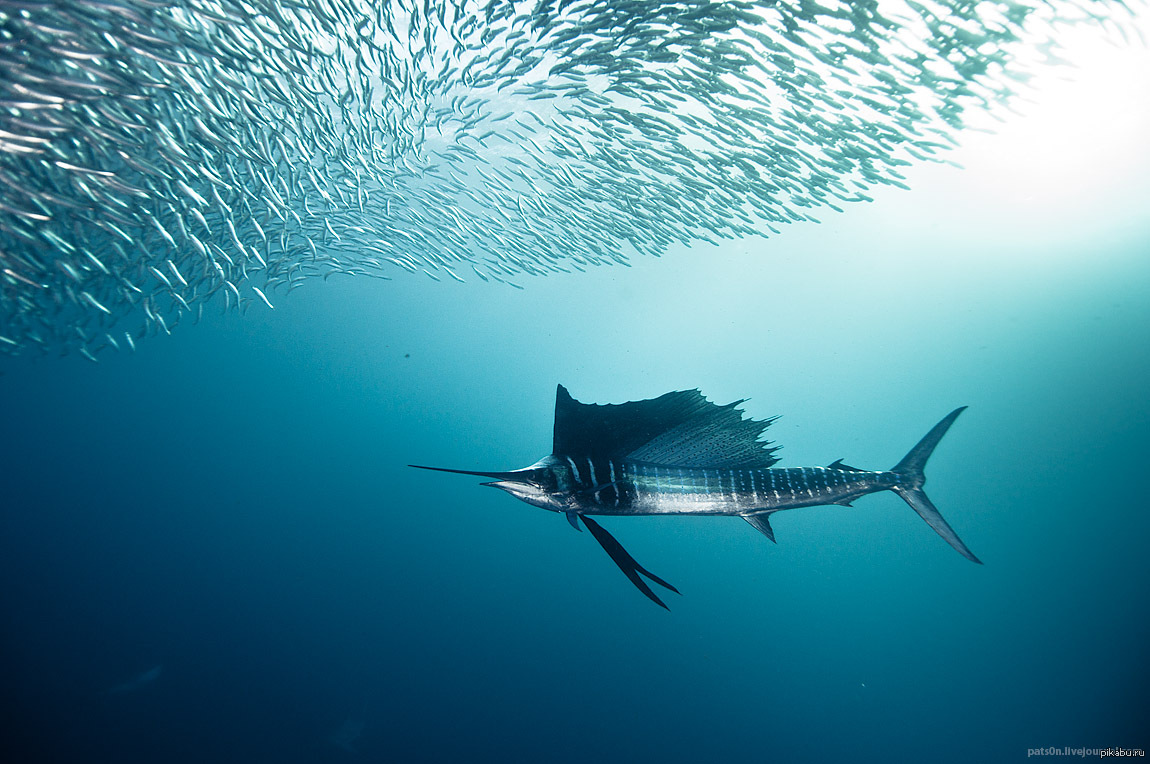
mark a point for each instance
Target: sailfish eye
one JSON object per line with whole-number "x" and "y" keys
{"x": 543, "y": 478}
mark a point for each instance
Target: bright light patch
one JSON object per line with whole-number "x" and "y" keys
{"x": 1078, "y": 134}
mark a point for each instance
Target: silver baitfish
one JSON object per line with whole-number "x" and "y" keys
{"x": 156, "y": 157}
{"x": 680, "y": 454}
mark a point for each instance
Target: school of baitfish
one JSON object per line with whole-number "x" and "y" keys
{"x": 156, "y": 157}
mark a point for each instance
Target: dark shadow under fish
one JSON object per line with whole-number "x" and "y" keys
{"x": 680, "y": 454}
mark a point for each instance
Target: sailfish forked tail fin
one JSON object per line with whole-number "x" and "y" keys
{"x": 910, "y": 472}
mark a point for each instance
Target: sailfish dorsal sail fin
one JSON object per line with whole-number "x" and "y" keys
{"x": 681, "y": 428}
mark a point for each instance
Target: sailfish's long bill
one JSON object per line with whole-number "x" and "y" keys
{"x": 680, "y": 454}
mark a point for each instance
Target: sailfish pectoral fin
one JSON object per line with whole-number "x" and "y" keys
{"x": 626, "y": 562}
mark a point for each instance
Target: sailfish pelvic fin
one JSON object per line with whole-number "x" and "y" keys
{"x": 626, "y": 562}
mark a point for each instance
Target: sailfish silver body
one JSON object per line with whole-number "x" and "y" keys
{"x": 680, "y": 454}
{"x": 638, "y": 488}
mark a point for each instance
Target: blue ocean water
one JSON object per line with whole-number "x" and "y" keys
{"x": 231, "y": 505}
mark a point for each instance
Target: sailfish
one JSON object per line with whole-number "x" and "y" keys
{"x": 680, "y": 454}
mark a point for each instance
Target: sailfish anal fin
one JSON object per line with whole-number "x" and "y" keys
{"x": 761, "y": 524}
{"x": 626, "y": 562}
